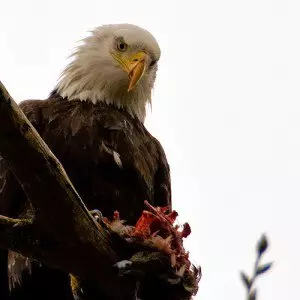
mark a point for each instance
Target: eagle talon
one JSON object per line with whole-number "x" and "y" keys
{"x": 97, "y": 215}
{"x": 123, "y": 266}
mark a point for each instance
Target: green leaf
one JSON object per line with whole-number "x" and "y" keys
{"x": 264, "y": 268}
{"x": 262, "y": 245}
{"x": 246, "y": 280}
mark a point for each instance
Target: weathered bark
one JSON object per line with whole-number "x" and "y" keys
{"x": 63, "y": 233}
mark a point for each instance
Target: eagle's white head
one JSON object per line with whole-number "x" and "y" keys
{"x": 116, "y": 64}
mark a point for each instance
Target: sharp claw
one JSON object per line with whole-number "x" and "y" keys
{"x": 97, "y": 215}
{"x": 125, "y": 268}
{"x": 123, "y": 265}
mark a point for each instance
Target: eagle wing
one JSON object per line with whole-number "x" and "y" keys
{"x": 162, "y": 181}
{"x": 108, "y": 130}
{"x": 41, "y": 113}
{"x": 118, "y": 144}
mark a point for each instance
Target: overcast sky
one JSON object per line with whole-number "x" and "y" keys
{"x": 225, "y": 108}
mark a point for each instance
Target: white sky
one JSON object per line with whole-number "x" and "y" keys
{"x": 226, "y": 109}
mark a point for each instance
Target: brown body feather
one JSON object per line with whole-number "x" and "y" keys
{"x": 113, "y": 161}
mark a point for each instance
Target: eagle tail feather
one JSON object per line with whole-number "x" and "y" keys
{"x": 17, "y": 263}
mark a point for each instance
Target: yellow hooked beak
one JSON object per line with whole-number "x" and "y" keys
{"x": 134, "y": 64}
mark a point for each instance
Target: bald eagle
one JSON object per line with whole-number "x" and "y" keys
{"x": 93, "y": 122}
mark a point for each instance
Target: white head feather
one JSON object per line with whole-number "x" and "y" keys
{"x": 94, "y": 75}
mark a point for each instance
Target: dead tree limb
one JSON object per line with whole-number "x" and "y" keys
{"x": 62, "y": 225}
{"x": 63, "y": 233}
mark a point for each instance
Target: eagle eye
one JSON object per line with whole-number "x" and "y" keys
{"x": 122, "y": 46}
